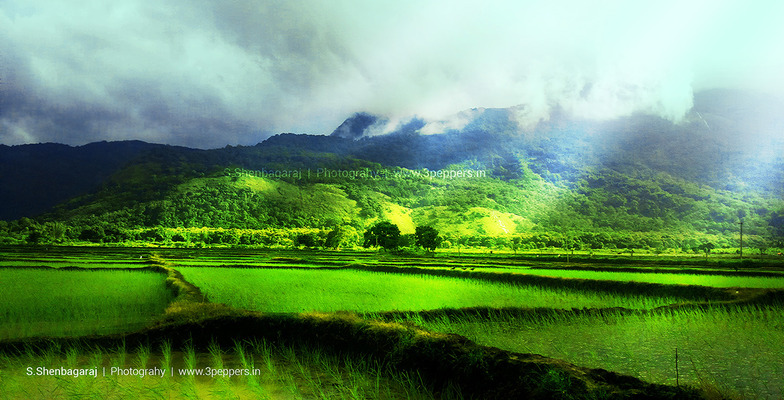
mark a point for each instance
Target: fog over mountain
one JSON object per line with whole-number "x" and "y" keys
{"x": 205, "y": 74}
{"x": 730, "y": 141}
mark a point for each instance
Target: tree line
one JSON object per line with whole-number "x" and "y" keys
{"x": 381, "y": 235}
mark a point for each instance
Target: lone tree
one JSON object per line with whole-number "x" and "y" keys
{"x": 427, "y": 237}
{"x": 707, "y": 247}
{"x": 383, "y": 234}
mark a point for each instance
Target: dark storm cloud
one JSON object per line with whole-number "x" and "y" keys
{"x": 207, "y": 74}
{"x": 120, "y": 71}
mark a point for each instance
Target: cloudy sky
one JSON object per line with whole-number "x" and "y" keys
{"x": 208, "y": 73}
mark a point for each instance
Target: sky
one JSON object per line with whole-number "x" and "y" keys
{"x": 206, "y": 74}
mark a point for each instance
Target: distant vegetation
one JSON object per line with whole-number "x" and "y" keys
{"x": 636, "y": 185}
{"x": 605, "y": 210}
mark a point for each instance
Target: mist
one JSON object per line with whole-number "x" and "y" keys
{"x": 210, "y": 74}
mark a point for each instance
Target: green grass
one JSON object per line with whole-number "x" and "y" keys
{"x": 282, "y": 290}
{"x": 736, "y": 350}
{"x": 69, "y": 264}
{"x": 58, "y": 257}
{"x": 720, "y": 281}
{"x": 51, "y": 302}
{"x": 259, "y": 369}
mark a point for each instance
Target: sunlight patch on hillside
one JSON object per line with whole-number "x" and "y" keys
{"x": 400, "y": 216}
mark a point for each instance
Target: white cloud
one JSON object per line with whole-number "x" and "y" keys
{"x": 206, "y": 73}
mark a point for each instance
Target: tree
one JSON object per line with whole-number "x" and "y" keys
{"x": 336, "y": 238}
{"x": 157, "y": 234}
{"x": 707, "y": 247}
{"x": 407, "y": 240}
{"x": 228, "y": 236}
{"x": 308, "y": 240}
{"x": 383, "y": 234}
{"x": 53, "y": 231}
{"x": 35, "y": 236}
{"x": 93, "y": 234}
{"x": 515, "y": 242}
{"x": 427, "y": 237}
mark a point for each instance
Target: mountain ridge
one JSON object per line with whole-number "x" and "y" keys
{"x": 639, "y": 172}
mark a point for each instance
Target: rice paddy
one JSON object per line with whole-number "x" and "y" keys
{"x": 53, "y": 302}
{"x": 254, "y": 369}
{"x": 286, "y": 290}
{"x": 58, "y": 257}
{"x": 712, "y": 280}
{"x": 733, "y": 350}
{"x": 736, "y": 350}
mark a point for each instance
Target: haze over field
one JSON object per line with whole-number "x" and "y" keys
{"x": 206, "y": 74}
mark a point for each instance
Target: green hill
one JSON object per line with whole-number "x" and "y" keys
{"x": 636, "y": 182}
{"x": 177, "y": 205}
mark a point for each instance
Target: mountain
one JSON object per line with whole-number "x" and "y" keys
{"x": 479, "y": 174}
{"x": 35, "y": 178}
{"x": 357, "y": 126}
